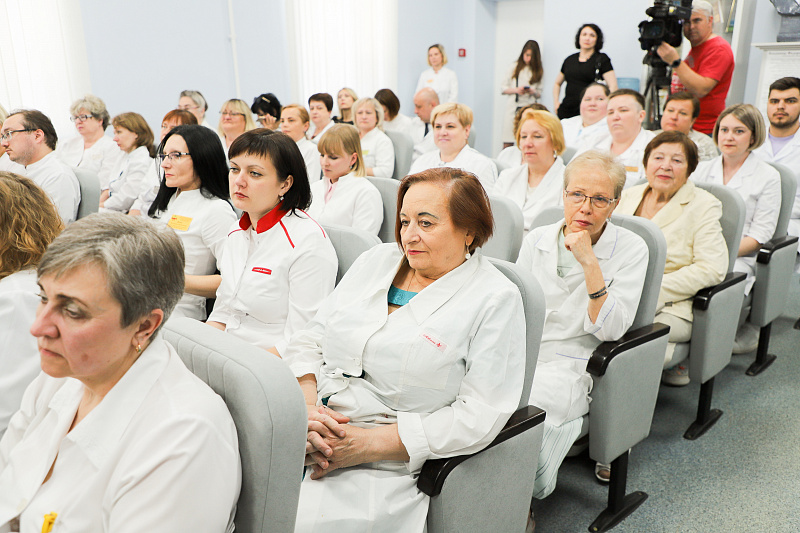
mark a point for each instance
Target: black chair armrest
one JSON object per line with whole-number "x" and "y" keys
{"x": 435, "y": 471}
{"x": 773, "y": 245}
{"x": 703, "y": 297}
{"x": 606, "y": 351}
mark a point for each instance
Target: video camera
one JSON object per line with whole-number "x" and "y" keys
{"x": 666, "y": 25}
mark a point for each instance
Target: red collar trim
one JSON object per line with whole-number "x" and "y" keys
{"x": 267, "y": 221}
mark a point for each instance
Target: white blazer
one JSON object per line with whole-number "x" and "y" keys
{"x": 19, "y": 362}
{"x": 510, "y": 157}
{"x": 355, "y": 203}
{"x": 59, "y": 182}
{"x": 569, "y": 336}
{"x": 311, "y": 158}
{"x": 378, "y": 152}
{"x": 631, "y": 158}
{"x": 274, "y": 277}
{"x": 468, "y": 159}
{"x": 159, "y": 453}
{"x": 317, "y": 136}
{"x": 444, "y": 82}
{"x": 423, "y": 142}
{"x": 789, "y": 156}
{"x": 203, "y": 225}
{"x": 447, "y": 368}
{"x": 129, "y": 180}
{"x": 101, "y": 158}
{"x": 513, "y": 184}
{"x": 575, "y": 132}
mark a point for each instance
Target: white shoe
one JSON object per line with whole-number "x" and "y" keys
{"x": 746, "y": 339}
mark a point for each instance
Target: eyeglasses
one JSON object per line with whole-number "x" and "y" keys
{"x": 6, "y": 135}
{"x": 230, "y": 114}
{"x": 187, "y": 107}
{"x": 577, "y": 198}
{"x": 172, "y": 156}
{"x": 80, "y": 118}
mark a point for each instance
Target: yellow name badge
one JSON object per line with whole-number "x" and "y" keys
{"x": 179, "y": 223}
{"x": 631, "y": 169}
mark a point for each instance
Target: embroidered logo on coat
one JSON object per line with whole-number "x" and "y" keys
{"x": 262, "y": 270}
{"x": 434, "y": 341}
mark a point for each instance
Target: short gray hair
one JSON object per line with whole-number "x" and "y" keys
{"x": 602, "y": 161}
{"x": 93, "y": 105}
{"x": 198, "y": 99}
{"x": 703, "y": 7}
{"x": 143, "y": 263}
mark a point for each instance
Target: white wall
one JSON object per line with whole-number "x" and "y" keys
{"x": 765, "y": 30}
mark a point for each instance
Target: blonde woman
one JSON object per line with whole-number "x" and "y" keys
{"x": 438, "y": 77}
{"x": 343, "y": 196}
{"x": 235, "y": 118}
{"x": 295, "y": 122}
{"x": 345, "y": 100}
{"x": 376, "y": 147}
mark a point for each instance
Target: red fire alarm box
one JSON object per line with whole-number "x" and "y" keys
{"x": 462, "y": 52}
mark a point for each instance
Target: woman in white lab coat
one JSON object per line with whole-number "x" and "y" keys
{"x": 192, "y": 199}
{"x": 28, "y": 224}
{"x": 129, "y": 179}
{"x": 592, "y": 273}
{"x": 294, "y": 123}
{"x": 343, "y": 196}
{"x": 393, "y": 120}
{"x": 235, "y": 118}
{"x": 539, "y": 182}
{"x": 418, "y": 354}
{"x": 116, "y": 425}
{"x": 278, "y": 263}
{"x": 376, "y": 147}
{"x": 438, "y": 77}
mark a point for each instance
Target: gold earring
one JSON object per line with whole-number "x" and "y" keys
{"x": 138, "y": 349}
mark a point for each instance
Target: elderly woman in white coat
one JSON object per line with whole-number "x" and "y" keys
{"x": 116, "y": 425}
{"x": 418, "y": 354}
{"x": 592, "y": 273}
{"x": 438, "y": 77}
{"x": 343, "y": 196}
{"x": 539, "y": 182}
{"x": 28, "y": 224}
{"x": 278, "y": 264}
{"x": 376, "y": 147}
{"x": 130, "y": 177}
{"x": 294, "y": 123}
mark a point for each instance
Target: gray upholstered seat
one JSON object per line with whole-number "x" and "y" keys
{"x": 500, "y": 166}
{"x": 271, "y": 419}
{"x": 506, "y": 240}
{"x": 349, "y": 243}
{"x": 403, "y": 153}
{"x": 90, "y": 191}
{"x": 388, "y": 189}
{"x": 569, "y": 153}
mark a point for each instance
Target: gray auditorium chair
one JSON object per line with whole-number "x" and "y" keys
{"x": 269, "y": 411}
{"x": 500, "y": 166}
{"x": 774, "y": 269}
{"x": 626, "y": 376}
{"x": 90, "y": 191}
{"x": 388, "y": 189}
{"x": 403, "y": 153}
{"x": 506, "y": 239}
{"x": 569, "y": 153}
{"x": 349, "y": 243}
{"x": 471, "y": 138}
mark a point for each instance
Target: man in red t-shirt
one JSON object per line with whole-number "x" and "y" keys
{"x": 708, "y": 68}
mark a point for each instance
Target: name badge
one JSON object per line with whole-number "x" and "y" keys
{"x": 434, "y": 342}
{"x": 631, "y": 169}
{"x": 262, "y": 270}
{"x": 179, "y": 223}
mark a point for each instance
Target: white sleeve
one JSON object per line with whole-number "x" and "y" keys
{"x": 22, "y": 419}
{"x": 384, "y": 157}
{"x": 216, "y": 227}
{"x": 420, "y": 82}
{"x": 368, "y": 209}
{"x": 111, "y": 157}
{"x": 453, "y": 89}
{"x": 134, "y": 182}
{"x": 222, "y": 311}
{"x": 765, "y": 216}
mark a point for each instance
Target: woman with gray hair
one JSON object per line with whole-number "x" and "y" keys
{"x": 116, "y": 425}
{"x": 592, "y": 273}
{"x": 91, "y": 149}
{"x": 195, "y": 103}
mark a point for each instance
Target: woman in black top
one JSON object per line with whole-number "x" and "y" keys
{"x": 581, "y": 69}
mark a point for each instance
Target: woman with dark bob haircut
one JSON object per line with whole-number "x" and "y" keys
{"x": 193, "y": 200}
{"x": 418, "y": 354}
{"x": 278, "y": 263}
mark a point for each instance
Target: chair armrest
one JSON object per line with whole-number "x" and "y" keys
{"x": 435, "y": 471}
{"x": 606, "y": 351}
{"x": 703, "y": 297}
{"x": 772, "y": 246}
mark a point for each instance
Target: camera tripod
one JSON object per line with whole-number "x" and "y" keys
{"x": 658, "y": 78}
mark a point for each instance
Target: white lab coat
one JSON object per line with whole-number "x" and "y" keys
{"x": 19, "y": 362}
{"x": 510, "y": 157}
{"x": 447, "y": 368}
{"x": 378, "y": 152}
{"x": 159, "y": 453}
{"x": 444, "y": 82}
{"x": 311, "y": 158}
{"x": 7, "y": 165}
{"x": 631, "y": 158}
{"x": 129, "y": 180}
{"x": 101, "y": 158}
{"x": 575, "y": 132}
{"x": 759, "y": 185}
{"x": 150, "y": 185}
{"x": 355, "y": 203}
{"x": 59, "y": 182}
{"x": 468, "y": 159}
{"x": 513, "y": 184}
{"x": 789, "y": 156}
{"x": 274, "y": 277}
{"x": 209, "y": 222}
{"x": 313, "y": 136}
{"x": 561, "y": 384}
{"x": 400, "y": 123}
{"x": 423, "y": 142}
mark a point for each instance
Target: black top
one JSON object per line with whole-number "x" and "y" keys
{"x": 338, "y": 120}
{"x": 578, "y": 75}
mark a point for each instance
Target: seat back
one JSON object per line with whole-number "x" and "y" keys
{"x": 90, "y": 191}
{"x": 569, "y": 153}
{"x": 732, "y": 221}
{"x": 506, "y": 239}
{"x": 499, "y": 164}
{"x": 403, "y": 152}
{"x": 269, "y": 411}
{"x": 788, "y": 192}
{"x": 349, "y": 243}
{"x": 388, "y": 189}
{"x": 471, "y": 138}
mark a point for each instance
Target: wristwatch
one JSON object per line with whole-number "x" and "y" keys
{"x": 675, "y": 63}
